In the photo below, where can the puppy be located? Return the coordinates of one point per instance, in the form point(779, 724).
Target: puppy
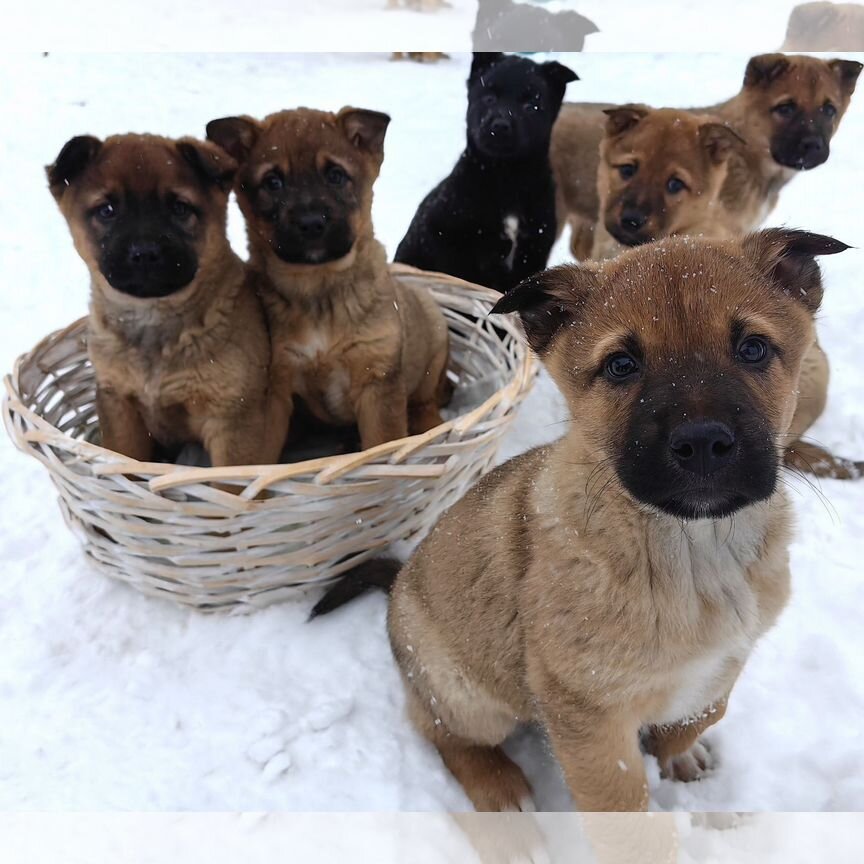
point(176, 336)
point(492, 220)
point(509, 26)
point(825, 27)
point(611, 586)
point(351, 342)
point(787, 111)
point(661, 173)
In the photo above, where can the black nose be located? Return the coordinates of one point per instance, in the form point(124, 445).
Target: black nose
point(142, 254)
point(703, 446)
point(632, 220)
point(812, 145)
point(312, 224)
point(501, 126)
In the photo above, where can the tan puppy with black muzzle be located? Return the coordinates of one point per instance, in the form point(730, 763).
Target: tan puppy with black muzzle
point(661, 174)
point(348, 339)
point(177, 337)
point(612, 585)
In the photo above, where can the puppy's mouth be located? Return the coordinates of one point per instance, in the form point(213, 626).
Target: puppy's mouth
point(692, 506)
point(802, 159)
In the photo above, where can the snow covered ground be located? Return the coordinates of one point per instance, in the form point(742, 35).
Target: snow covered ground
point(110, 700)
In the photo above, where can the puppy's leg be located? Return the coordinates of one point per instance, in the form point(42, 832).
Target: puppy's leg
point(489, 777)
point(122, 426)
point(677, 747)
point(581, 237)
point(433, 393)
point(382, 413)
point(600, 756)
point(240, 441)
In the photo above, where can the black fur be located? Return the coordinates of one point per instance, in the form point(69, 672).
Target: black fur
point(377, 573)
point(513, 26)
point(502, 185)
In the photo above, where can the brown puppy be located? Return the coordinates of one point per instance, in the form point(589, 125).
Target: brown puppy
point(349, 340)
point(661, 173)
point(177, 338)
point(825, 27)
point(787, 111)
point(612, 585)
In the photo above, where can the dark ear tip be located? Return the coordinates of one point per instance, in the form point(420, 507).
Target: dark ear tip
point(505, 304)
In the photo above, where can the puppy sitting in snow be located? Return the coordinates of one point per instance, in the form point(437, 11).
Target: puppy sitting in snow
point(492, 221)
point(177, 337)
point(612, 585)
point(350, 341)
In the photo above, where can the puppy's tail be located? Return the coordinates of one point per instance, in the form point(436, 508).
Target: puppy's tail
point(812, 459)
point(377, 573)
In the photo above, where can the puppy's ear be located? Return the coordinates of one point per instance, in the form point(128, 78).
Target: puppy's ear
point(76, 155)
point(558, 74)
point(847, 72)
point(765, 68)
point(720, 140)
point(235, 135)
point(364, 129)
point(547, 302)
point(624, 117)
point(482, 60)
point(211, 163)
point(787, 257)
point(586, 25)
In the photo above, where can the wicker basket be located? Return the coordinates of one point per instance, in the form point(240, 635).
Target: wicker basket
point(173, 531)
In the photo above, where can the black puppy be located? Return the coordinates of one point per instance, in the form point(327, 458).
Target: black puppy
point(492, 221)
point(518, 26)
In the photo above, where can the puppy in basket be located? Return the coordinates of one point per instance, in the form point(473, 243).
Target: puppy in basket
point(177, 338)
point(348, 339)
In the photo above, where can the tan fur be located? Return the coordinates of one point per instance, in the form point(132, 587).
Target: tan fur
point(193, 366)
point(825, 27)
point(579, 130)
point(548, 594)
point(348, 339)
point(420, 56)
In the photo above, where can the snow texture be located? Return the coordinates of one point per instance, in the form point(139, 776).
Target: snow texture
point(110, 700)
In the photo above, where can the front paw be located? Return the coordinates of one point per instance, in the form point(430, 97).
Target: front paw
point(689, 766)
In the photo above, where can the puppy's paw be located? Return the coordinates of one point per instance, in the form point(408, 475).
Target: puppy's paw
point(692, 765)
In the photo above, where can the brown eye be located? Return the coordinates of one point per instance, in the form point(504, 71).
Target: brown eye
point(626, 171)
point(106, 211)
point(181, 210)
point(674, 185)
point(829, 110)
point(785, 109)
point(273, 182)
point(336, 175)
point(753, 350)
point(621, 366)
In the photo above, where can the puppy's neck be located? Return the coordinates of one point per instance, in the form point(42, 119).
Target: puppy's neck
point(348, 285)
point(507, 166)
point(163, 320)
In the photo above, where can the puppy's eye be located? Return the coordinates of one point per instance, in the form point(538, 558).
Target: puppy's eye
point(626, 171)
point(753, 350)
point(181, 210)
point(273, 182)
point(621, 366)
point(674, 185)
point(336, 175)
point(785, 109)
point(106, 212)
point(829, 110)
point(489, 98)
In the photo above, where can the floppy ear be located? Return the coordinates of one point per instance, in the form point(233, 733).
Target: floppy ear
point(720, 140)
point(211, 163)
point(765, 68)
point(558, 73)
point(235, 135)
point(847, 71)
point(547, 302)
point(482, 60)
point(76, 155)
point(624, 117)
point(364, 129)
point(787, 257)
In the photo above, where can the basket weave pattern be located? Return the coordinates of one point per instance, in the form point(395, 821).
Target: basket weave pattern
point(174, 531)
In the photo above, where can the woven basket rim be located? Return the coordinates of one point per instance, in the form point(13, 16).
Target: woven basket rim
point(166, 475)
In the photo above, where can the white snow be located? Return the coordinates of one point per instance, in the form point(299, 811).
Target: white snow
point(110, 700)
